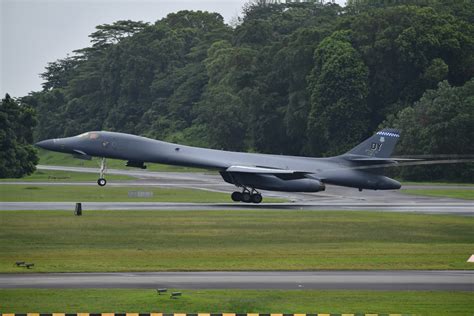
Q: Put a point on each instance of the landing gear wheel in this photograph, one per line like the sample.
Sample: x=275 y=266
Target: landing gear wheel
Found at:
x=236 y=196
x=103 y=168
x=246 y=197
x=256 y=198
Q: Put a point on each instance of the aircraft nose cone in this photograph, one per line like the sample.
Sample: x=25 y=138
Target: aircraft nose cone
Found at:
x=393 y=184
x=46 y=144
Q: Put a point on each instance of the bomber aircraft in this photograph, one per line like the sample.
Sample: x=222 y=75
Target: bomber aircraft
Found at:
x=248 y=171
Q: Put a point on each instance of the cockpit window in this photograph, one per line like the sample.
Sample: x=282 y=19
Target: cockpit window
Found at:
x=89 y=135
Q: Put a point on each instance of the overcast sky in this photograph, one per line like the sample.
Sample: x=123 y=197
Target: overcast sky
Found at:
x=35 y=32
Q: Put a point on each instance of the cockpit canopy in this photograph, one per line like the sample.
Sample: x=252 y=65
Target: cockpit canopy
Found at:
x=89 y=135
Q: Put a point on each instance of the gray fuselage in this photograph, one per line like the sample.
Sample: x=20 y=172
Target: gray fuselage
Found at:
x=137 y=149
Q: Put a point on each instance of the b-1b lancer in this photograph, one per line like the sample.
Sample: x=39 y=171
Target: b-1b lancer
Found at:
x=248 y=171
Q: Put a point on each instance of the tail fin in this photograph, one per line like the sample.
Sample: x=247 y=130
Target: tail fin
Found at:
x=380 y=145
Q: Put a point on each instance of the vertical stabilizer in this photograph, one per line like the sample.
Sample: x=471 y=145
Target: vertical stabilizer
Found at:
x=380 y=145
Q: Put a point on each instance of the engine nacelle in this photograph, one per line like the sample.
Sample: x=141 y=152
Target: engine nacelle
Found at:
x=273 y=183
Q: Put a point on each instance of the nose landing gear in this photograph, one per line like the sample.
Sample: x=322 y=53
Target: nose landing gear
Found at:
x=103 y=168
x=247 y=196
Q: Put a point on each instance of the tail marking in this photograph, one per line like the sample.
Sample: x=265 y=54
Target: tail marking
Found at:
x=388 y=134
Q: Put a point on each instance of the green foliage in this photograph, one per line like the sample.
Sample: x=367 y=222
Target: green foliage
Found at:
x=17 y=156
x=220 y=113
x=439 y=123
x=407 y=50
x=290 y=78
x=338 y=86
x=109 y=34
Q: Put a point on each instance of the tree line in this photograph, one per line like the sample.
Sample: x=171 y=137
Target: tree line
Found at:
x=289 y=78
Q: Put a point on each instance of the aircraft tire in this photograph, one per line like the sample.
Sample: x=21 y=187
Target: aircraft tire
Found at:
x=101 y=182
x=246 y=197
x=256 y=198
x=236 y=196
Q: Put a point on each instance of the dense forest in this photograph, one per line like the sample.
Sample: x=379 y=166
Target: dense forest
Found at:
x=17 y=155
x=296 y=78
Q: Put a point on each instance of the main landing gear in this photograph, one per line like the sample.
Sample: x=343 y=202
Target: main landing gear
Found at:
x=247 y=196
x=103 y=168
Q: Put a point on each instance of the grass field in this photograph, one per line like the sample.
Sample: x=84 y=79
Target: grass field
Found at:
x=449 y=193
x=228 y=240
x=64 y=176
x=238 y=301
x=77 y=193
x=58 y=159
x=436 y=183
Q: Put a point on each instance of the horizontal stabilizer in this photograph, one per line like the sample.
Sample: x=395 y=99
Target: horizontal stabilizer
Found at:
x=376 y=160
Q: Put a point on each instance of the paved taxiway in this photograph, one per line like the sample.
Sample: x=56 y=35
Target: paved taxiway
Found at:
x=360 y=280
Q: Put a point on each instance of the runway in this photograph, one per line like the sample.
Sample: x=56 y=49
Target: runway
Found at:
x=334 y=198
x=464 y=209
x=322 y=280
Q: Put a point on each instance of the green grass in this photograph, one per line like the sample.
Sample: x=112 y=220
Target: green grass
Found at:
x=449 y=193
x=437 y=183
x=58 y=159
x=64 y=176
x=238 y=301
x=57 y=241
x=89 y=193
